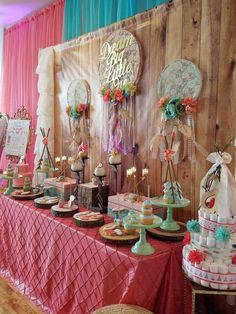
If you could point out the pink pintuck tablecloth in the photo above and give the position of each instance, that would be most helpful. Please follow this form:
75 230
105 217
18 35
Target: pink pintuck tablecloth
67 269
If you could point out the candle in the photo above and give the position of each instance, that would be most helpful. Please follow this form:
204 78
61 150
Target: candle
129 172
148 190
145 172
70 160
133 170
63 158
57 159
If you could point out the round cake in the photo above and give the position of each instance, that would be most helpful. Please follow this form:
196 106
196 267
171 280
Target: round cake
23 171
209 256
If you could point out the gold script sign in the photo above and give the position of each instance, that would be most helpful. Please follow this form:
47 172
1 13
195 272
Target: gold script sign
119 60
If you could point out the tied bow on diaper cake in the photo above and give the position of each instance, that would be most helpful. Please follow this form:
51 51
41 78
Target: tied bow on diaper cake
219 184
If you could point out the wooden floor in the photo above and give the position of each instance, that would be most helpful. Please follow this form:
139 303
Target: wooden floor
12 302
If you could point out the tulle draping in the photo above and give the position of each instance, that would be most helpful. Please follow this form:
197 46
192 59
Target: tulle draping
81 17
20 59
45 110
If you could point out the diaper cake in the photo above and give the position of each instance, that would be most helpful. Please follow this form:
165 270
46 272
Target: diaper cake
77 165
209 254
23 172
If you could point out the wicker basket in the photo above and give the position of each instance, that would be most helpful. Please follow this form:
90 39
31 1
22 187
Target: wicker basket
122 309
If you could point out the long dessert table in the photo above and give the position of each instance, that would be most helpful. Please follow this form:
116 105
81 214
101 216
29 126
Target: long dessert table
68 269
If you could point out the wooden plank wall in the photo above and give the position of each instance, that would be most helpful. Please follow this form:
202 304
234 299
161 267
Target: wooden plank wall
202 31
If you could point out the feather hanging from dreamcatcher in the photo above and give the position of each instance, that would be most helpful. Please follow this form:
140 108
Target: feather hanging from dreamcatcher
119 119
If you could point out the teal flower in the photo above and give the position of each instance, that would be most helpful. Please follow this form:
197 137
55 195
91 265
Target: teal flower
193 226
223 234
170 111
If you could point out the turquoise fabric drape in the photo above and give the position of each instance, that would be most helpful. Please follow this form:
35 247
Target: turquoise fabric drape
83 16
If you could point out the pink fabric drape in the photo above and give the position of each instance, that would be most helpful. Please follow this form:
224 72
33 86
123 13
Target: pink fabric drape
20 58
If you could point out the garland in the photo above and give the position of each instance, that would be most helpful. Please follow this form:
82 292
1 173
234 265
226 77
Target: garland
117 95
176 107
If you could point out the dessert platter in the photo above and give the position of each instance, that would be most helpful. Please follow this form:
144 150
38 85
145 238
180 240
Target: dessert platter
65 209
118 234
46 202
88 219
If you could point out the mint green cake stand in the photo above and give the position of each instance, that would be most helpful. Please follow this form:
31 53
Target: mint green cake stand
142 247
10 188
169 224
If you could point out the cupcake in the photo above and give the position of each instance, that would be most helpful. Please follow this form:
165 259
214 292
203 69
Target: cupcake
9 170
115 157
45 165
129 231
146 216
146 220
27 184
100 171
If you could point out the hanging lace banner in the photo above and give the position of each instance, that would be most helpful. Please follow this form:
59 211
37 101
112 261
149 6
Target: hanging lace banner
119 68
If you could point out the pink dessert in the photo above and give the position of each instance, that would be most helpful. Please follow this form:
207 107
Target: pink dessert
23 170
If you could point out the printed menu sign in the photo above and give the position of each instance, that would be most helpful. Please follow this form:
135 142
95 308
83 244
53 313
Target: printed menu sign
17 137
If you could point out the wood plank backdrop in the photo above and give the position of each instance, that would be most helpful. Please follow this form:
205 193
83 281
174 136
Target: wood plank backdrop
202 31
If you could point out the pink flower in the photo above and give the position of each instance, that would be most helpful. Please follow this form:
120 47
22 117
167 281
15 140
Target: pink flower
234 259
187 238
196 256
83 147
163 101
168 154
81 107
188 108
107 95
119 95
189 104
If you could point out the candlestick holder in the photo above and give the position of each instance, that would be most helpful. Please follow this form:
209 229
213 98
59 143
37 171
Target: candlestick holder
99 197
115 176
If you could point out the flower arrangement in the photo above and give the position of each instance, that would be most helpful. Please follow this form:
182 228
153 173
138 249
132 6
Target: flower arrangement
223 234
196 256
176 107
117 95
75 111
193 226
187 238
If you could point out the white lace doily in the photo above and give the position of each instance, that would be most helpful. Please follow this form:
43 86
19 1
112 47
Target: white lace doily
180 79
78 93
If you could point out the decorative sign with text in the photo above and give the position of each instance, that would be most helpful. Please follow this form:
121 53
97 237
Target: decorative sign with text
17 137
120 59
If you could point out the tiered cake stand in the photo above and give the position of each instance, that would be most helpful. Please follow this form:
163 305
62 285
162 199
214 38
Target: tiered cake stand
169 224
169 229
10 187
142 247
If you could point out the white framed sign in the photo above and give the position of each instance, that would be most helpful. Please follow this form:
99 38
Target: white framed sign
17 137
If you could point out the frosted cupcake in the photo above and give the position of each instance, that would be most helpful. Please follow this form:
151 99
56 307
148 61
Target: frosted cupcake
146 218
